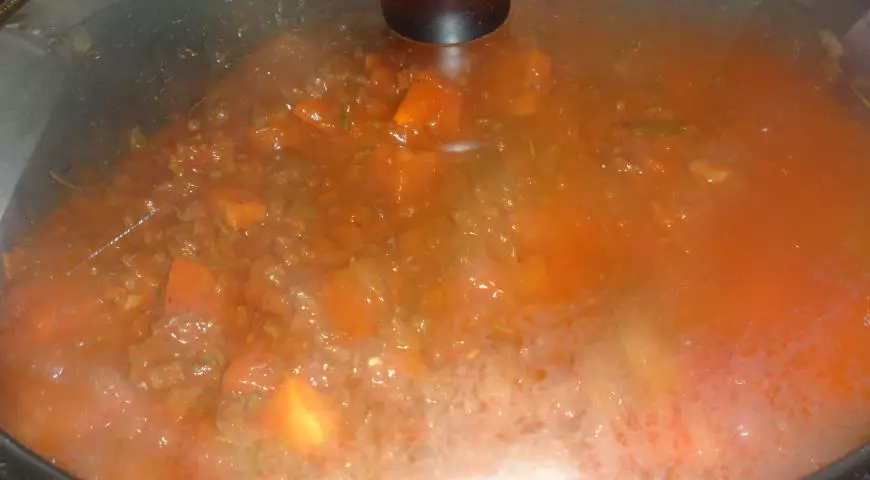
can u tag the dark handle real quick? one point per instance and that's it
(445, 22)
(8, 7)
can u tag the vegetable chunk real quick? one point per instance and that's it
(301, 416)
(430, 104)
(237, 209)
(193, 287)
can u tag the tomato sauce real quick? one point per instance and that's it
(510, 259)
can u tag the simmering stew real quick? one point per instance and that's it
(597, 248)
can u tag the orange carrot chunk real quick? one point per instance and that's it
(300, 415)
(238, 209)
(354, 307)
(430, 103)
(193, 287)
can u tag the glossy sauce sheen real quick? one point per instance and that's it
(655, 266)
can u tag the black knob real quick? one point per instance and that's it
(445, 22)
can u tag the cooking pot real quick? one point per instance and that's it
(77, 75)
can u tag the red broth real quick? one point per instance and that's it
(654, 265)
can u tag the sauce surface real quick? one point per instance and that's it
(361, 259)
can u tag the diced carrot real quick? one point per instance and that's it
(430, 103)
(279, 132)
(300, 415)
(238, 209)
(353, 305)
(319, 113)
(193, 287)
(264, 289)
(406, 175)
(252, 372)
